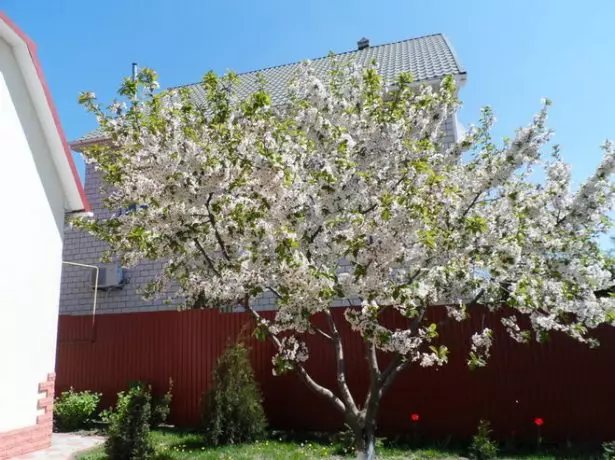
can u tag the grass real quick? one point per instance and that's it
(177, 445)
(180, 445)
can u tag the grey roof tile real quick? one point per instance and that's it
(426, 58)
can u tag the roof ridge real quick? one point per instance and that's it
(428, 57)
(341, 54)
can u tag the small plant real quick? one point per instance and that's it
(105, 415)
(161, 407)
(415, 418)
(344, 442)
(539, 422)
(233, 409)
(482, 446)
(129, 425)
(608, 450)
(73, 410)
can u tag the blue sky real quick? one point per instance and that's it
(514, 52)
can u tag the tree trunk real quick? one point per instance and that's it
(362, 422)
(365, 442)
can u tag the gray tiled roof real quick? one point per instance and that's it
(426, 58)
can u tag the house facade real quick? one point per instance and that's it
(39, 185)
(427, 58)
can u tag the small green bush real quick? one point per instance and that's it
(129, 425)
(233, 408)
(161, 407)
(106, 416)
(344, 442)
(482, 446)
(608, 449)
(73, 410)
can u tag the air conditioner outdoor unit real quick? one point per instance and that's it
(109, 276)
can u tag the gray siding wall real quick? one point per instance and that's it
(76, 296)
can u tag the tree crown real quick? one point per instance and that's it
(348, 191)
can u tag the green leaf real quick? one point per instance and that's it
(260, 332)
(476, 224)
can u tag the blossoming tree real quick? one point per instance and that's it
(239, 197)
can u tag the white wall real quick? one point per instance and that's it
(31, 227)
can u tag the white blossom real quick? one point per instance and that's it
(239, 198)
(513, 329)
(480, 348)
(291, 351)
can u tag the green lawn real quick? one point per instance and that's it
(172, 445)
(176, 445)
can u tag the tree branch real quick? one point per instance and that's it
(373, 394)
(213, 225)
(478, 296)
(371, 208)
(341, 365)
(390, 368)
(315, 328)
(303, 374)
(207, 258)
(321, 332)
(276, 293)
(313, 236)
(372, 359)
(319, 389)
(375, 205)
(398, 363)
(399, 366)
(465, 213)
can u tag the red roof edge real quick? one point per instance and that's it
(39, 71)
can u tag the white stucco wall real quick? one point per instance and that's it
(31, 229)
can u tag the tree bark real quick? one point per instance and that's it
(341, 366)
(362, 421)
(368, 443)
(364, 439)
(366, 448)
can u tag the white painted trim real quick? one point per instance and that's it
(73, 199)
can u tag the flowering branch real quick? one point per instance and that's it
(350, 171)
(303, 374)
(341, 365)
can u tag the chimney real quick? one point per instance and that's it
(363, 43)
(135, 70)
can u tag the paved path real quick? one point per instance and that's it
(63, 447)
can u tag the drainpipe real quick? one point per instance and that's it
(95, 267)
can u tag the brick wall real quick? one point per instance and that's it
(24, 440)
(76, 296)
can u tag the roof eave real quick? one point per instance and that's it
(80, 145)
(25, 54)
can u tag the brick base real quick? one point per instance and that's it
(31, 438)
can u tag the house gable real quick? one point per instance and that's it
(26, 58)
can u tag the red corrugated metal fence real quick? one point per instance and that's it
(568, 385)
